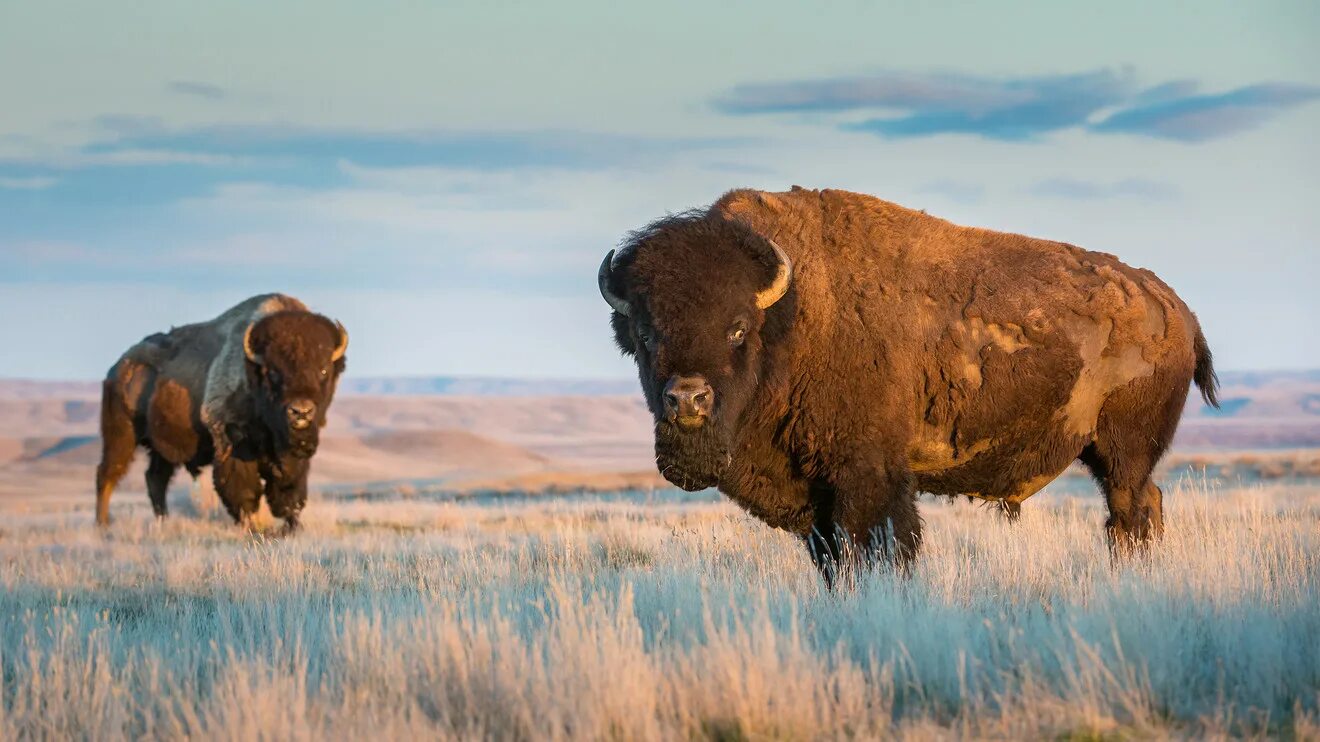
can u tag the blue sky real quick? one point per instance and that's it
(445, 179)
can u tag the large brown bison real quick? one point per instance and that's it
(246, 392)
(821, 356)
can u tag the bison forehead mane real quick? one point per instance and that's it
(695, 259)
(295, 337)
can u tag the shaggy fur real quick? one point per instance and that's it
(193, 398)
(909, 354)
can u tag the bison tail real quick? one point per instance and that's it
(1205, 377)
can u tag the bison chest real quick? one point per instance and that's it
(766, 489)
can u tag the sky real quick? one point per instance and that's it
(445, 178)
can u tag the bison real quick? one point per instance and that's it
(822, 356)
(246, 392)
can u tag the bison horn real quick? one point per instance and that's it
(603, 276)
(342, 348)
(251, 354)
(766, 297)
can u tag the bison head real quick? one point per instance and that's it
(690, 296)
(294, 360)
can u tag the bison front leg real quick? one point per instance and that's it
(238, 483)
(823, 541)
(875, 508)
(286, 490)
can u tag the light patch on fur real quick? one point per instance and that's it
(934, 454)
(1104, 369)
(1032, 486)
(132, 378)
(973, 335)
(1023, 491)
(1158, 306)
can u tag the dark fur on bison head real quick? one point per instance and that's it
(697, 300)
(294, 360)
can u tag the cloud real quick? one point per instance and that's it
(489, 150)
(29, 183)
(1197, 118)
(943, 103)
(136, 164)
(1087, 190)
(197, 89)
(909, 104)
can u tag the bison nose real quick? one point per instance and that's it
(300, 413)
(688, 400)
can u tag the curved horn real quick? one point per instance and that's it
(247, 345)
(342, 348)
(619, 304)
(765, 298)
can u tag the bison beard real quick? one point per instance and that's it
(296, 443)
(690, 459)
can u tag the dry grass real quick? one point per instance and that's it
(628, 619)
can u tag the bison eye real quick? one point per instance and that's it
(325, 372)
(737, 333)
(273, 376)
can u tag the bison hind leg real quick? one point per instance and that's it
(1135, 428)
(1135, 503)
(118, 444)
(159, 473)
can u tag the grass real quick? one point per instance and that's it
(619, 618)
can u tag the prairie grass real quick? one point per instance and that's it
(658, 617)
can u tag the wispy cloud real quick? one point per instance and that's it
(1089, 190)
(1196, 118)
(912, 104)
(489, 150)
(197, 89)
(141, 162)
(30, 183)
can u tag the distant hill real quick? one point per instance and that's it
(415, 386)
(1260, 410)
(374, 386)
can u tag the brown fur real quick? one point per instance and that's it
(910, 354)
(176, 393)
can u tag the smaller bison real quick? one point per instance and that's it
(246, 393)
(822, 356)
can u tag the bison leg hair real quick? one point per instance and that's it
(1134, 430)
(872, 507)
(286, 493)
(118, 444)
(1011, 509)
(1136, 517)
(823, 541)
(238, 483)
(1136, 509)
(159, 473)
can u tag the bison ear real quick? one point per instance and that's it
(342, 347)
(252, 355)
(622, 336)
